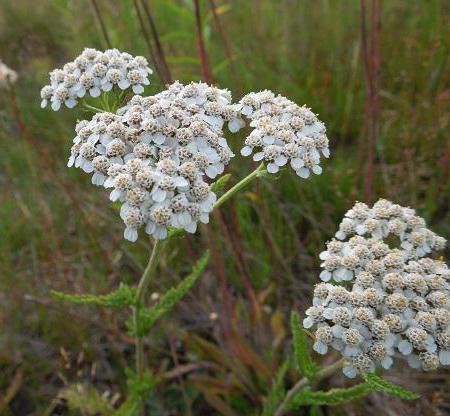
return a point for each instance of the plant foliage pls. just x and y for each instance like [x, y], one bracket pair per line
[381, 384]
[123, 296]
[305, 364]
[278, 391]
[332, 397]
[170, 298]
[220, 184]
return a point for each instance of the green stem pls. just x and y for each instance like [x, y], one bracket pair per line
[140, 296]
[241, 184]
[92, 108]
[323, 373]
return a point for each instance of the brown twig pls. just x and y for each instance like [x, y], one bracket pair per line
[159, 49]
[179, 377]
[204, 63]
[371, 61]
[226, 45]
[227, 304]
[148, 42]
[101, 23]
[237, 250]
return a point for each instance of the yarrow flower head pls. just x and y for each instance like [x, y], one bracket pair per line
[395, 298]
[7, 76]
[283, 132]
[93, 72]
[157, 153]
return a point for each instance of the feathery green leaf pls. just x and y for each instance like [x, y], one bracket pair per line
[85, 399]
[139, 390]
[382, 384]
[304, 362]
[170, 298]
[332, 397]
[278, 391]
[123, 296]
[175, 232]
[219, 185]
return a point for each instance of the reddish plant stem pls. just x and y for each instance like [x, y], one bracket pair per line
[186, 399]
[371, 61]
[204, 63]
[226, 45]
[101, 23]
[237, 250]
[148, 42]
[159, 49]
[227, 304]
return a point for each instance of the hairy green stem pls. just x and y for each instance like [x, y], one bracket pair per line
[140, 296]
[92, 108]
[241, 184]
[323, 373]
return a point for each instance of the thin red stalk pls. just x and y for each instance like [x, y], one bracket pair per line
[148, 42]
[371, 61]
[101, 22]
[186, 398]
[204, 63]
[207, 76]
[237, 249]
[159, 49]
[235, 239]
[226, 45]
[227, 305]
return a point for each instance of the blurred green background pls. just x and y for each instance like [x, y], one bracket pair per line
[220, 348]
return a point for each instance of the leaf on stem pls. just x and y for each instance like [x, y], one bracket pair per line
[306, 366]
[139, 390]
[219, 185]
[278, 390]
[332, 397]
[381, 384]
[170, 298]
[175, 232]
[85, 399]
[123, 296]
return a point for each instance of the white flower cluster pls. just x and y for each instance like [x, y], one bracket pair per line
[7, 76]
[394, 300]
[155, 154]
[283, 132]
[93, 72]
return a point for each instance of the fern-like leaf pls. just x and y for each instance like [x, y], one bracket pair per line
[219, 185]
[123, 296]
[139, 391]
[381, 384]
[278, 390]
[132, 406]
[175, 232]
[306, 366]
[86, 399]
[332, 397]
[169, 299]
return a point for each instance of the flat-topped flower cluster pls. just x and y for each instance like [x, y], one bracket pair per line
[92, 72]
[283, 132]
[156, 154]
[385, 298]
[7, 76]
